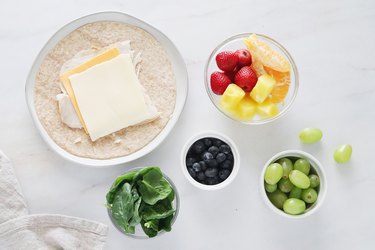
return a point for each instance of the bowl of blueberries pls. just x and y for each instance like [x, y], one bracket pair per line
[210, 160]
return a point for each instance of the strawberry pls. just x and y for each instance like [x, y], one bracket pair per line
[232, 73]
[219, 82]
[244, 57]
[226, 60]
[246, 78]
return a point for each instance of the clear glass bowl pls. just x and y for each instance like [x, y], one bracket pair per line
[237, 42]
[139, 234]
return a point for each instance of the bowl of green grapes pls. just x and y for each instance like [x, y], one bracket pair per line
[293, 184]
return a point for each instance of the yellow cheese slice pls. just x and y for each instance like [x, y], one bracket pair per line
[110, 97]
[108, 55]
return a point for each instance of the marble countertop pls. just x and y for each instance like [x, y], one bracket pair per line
[332, 43]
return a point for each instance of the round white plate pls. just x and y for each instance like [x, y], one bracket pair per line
[179, 69]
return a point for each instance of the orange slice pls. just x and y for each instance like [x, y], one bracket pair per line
[267, 56]
[257, 66]
[281, 88]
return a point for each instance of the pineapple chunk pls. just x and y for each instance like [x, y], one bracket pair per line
[263, 88]
[245, 109]
[267, 109]
[231, 97]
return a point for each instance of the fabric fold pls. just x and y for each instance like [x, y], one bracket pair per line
[20, 231]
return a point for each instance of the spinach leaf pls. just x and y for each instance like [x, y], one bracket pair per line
[117, 185]
[160, 210]
[154, 187]
[153, 224]
[136, 218]
[166, 224]
[123, 207]
[149, 231]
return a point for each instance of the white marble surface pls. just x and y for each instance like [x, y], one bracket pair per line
[332, 43]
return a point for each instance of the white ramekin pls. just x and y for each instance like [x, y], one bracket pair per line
[224, 138]
[315, 164]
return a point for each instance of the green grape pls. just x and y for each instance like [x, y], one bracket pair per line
[270, 188]
[295, 193]
[309, 195]
[273, 174]
[343, 153]
[294, 206]
[314, 180]
[287, 166]
[277, 198]
[310, 135]
[285, 185]
[302, 165]
[299, 179]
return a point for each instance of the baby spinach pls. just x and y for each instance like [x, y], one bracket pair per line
[142, 197]
[154, 187]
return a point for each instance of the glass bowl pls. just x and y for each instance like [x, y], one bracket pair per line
[316, 168]
[139, 234]
[237, 42]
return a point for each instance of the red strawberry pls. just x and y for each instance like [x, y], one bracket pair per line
[219, 82]
[244, 57]
[246, 78]
[232, 73]
[226, 60]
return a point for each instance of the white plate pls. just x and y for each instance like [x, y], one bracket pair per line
[179, 68]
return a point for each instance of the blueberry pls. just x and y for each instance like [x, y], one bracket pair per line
[190, 161]
[221, 157]
[203, 165]
[212, 163]
[207, 156]
[207, 142]
[227, 164]
[212, 181]
[217, 142]
[224, 174]
[192, 172]
[199, 147]
[225, 149]
[201, 176]
[229, 156]
[213, 150]
[211, 172]
[196, 167]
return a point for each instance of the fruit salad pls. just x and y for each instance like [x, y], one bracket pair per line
[252, 82]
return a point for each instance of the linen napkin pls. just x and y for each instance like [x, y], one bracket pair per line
[20, 231]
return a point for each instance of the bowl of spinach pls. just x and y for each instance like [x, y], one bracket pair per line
[143, 203]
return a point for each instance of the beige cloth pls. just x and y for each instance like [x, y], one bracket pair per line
[20, 231]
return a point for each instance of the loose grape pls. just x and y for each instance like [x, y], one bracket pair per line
[285, 185]
[310, 135]
[299, 179]
[295, 193]
[270, 188]
[294, 206]
[343, 153]
[287, 166]
[302, 165]
[273, 174]
[314, 180]
[309, 195]
[277, 198]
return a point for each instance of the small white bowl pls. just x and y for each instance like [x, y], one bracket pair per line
[224, 138]
[315, 164]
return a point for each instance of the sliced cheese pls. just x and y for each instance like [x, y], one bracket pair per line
[108, 55]
[110, 97]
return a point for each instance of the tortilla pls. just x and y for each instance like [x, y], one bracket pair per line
[156, 77]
